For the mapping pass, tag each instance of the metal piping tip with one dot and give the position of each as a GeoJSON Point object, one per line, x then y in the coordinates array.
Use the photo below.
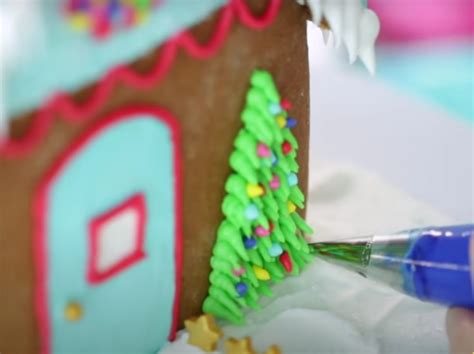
{"type": "Point", "coordinates": [353, 254]}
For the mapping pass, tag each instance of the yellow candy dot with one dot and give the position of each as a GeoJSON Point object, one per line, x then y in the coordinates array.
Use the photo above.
{"type": "Point", "coordinates": [281, 121]}
{"type": "Point", "coordinates": [142, 16]}
{"type": "Point", "coordinates": [254, 190]}
{"type": "Point", "coordinates": [261, 273]}
{"type": "Point", "coordinates": [80, 22]}
{"type": "Point", "coordinates": [73, 312]}
{"type": "Point", "coordinates": [291, 207]}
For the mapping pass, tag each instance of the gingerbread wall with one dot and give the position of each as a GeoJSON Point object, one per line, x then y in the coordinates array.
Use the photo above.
{"type": "Point", "coordinates": [206, 96]}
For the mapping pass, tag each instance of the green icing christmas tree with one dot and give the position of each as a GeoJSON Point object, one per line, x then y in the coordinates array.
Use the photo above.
{"type": "Point", "coordinates": [261, 239]}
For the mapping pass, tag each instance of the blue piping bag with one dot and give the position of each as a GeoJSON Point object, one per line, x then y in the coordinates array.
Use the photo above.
{"type": "Point", "coordinates": [434, 264]}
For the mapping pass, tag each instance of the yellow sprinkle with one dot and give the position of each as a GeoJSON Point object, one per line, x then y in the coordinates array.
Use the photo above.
{"type": "Point", "coordinates": [261, 273]}
{"type": "Point", "coordinates": [80, 22]}
{"type": "Point", "coordinates": [291, 207]}
{"type": "Point", "coordinates": [73, 312]}
{"type": "Point", "coordinates": [281, 121]}
{"type": "Point", "coordinates": [254, 190]}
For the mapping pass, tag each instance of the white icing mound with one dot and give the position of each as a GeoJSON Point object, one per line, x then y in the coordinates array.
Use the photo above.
{"type": "Point", "coordinates": [330, 310]}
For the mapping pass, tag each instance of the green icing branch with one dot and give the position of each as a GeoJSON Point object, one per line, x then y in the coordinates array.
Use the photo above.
{"type": "Point", "coordinates": [261, 239]}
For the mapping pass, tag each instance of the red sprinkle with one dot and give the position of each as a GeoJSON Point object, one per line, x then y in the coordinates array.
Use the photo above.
{"type": "Point", "coordinates": [285, 260]}
{"type": "Point", "coordinates": [286, 147]}
{"type": "Point", "coordinates": [285, 104]}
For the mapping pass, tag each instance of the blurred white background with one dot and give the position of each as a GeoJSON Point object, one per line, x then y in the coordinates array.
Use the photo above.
{"type": "Point", "coordinates": [363, 121]}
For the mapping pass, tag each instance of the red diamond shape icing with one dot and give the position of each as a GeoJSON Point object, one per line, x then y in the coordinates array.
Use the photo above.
{"type": "Point", "coordinates": [116, 239]}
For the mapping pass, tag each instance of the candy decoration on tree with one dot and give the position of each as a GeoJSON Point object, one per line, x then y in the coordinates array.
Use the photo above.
{"type": "Point", "coordinates": [291, 122]}
{"type": "Point", "coordinates": [101, 17]}
{"type": "Point", "coordinates": [286, 105]}
{"type": "Point", "coordinates": [262, 238]}
{"type": "Point", "coordinates": [285, 261]}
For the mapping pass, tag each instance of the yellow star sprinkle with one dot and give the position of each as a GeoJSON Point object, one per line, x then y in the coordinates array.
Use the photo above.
{"type": "Point", "coordinates": [274, 349]}
{"type": "Point", "coordinates": [239, 346]}
{"type": "Point", "coordinates": [203, 331]}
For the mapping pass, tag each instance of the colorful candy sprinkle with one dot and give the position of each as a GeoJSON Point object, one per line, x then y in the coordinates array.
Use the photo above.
{"type": "Point", "coordinates": [261, 273]}
{"type": "Point", "coordinates": [281, 121]}
{"type": "Point", "coordinates": [249, 242]}
{"type": "Point", "coordinates": [286, 147]}
{"type": "Point", "coordinates": [292, 179]}
{"type": "Point", "coordinates": [251, 212]}
{"type": "Point", "coordinates": [263, 150]}
{"type": "Point", "coordinates": [255, 190]}
{"type": "Point", "coordinates": [285, 104]}
{"type": "Point", "coordinates": [275, 250]}
{"type": "Point", "coordinates": [101, 18]}
{"type": "Point", "coordinates": [291, 207]}
{"type": "Point", "coordinates": [285, 261]}
{"type": "Point", "coordinates": [291, 122]}
{"type": "Point", "coordinates": [275, 182]}
{"type": "Point", "coordinates": [274, 159]}
{"type": "Point", "coordinates": [260, 231]}
{"type": "Point", "coordinates": [241, 288]}
{"type": "Point", "coordinates": [238, 272]}
{"type": "Point", "coordinates": [274, 108]}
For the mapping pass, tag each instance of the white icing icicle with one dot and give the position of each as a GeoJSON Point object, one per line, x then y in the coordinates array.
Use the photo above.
{"type": "Point", "coordinates": [369, 27]}
{"type": "Point", "coordinates": [350, 23]}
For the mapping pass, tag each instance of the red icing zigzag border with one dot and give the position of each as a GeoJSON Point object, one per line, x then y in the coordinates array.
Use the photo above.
{"type": "Point", "coordinates": [64, 105]}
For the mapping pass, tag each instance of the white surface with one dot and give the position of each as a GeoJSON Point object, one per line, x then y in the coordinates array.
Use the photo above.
{"type": "Point", "coordinates": [117, 239]}
{"type": "Point", "coordinates": [359, 120]}
{"type": "Point", "coordinates": [330, 310]}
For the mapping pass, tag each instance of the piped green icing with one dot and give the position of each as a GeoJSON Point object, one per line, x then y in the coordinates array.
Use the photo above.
{"type": "Point", "coordinates": [261, 218]}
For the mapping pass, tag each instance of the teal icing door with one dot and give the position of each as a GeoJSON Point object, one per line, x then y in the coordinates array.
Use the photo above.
{"type": "Point", "coordinates": [108, 238]}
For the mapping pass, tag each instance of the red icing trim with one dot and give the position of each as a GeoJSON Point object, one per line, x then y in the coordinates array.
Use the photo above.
{"type": "Point", "coordinates": [94, 275]}
{"type": "Point", "coordinates": [41, 205]}
{"type": "Point", "coordinates": [62, 104]}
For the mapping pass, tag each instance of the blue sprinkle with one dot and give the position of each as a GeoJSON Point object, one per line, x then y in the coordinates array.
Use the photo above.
{"type": "Point", "coordinates": [274, 159]}
{"type": "Point", "coordinates": [251, 212]}
{"type": "Point", "coordinates": [241, 288]}
{"type": "Point", "coordinates": [292, 179]}
{"type": "Point", "coordinates": [275, 250]}
{"type": "Point", "coordinates": [291, 122]}
{"type": "Point", "coordinates": [250, 242]}
{"type": "Point", "coordinates": [274, 108]}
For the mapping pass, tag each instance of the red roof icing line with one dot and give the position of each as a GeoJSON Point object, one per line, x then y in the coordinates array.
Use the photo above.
{"type": "Point", "coordinates": [64, 105]}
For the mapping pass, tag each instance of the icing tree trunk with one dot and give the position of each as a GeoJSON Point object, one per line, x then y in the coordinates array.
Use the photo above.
{"type": "Point", "coordinates": [261, 240]}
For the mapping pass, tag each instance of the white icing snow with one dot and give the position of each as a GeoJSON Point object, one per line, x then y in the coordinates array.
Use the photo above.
{"type": "Point", "coordinates": [330, 310]}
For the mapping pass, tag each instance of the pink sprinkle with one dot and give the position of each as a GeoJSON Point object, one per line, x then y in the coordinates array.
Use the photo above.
{"type": "Point", "coordinates": [263, 150]}
{"type": "Point", "coordinates": [102, 28]}
{"type": "Point", "coordinates": [275, 182]}
{"type": "Point", "coordinates": [261, 232]}
{"type": "Point", "coordinates": [129, 16]}
{"type": "Point", "coordinates": [238, 272]}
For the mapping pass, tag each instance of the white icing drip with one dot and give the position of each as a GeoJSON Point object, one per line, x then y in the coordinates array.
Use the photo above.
{"type": "Point", "coordinates": [350, 23]}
